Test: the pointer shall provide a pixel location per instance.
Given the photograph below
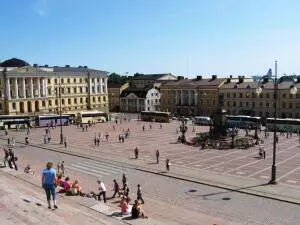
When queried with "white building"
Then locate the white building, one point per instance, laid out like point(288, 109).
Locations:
point(137, 100)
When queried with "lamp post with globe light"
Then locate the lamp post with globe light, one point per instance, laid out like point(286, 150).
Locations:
point(259, 90)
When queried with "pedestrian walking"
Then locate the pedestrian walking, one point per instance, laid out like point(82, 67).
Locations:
point(28, 131)
point(143, 127)
point(168, 164)
point(26, 140)
point(136, 153)
point(6, 156)
point(58, 168)
point(160, 125)
point(95, 140)
point(48, 183)
point(157, 156)
point(12, 159)
point(150, 126)
point(106, 136)
point(116, 189)
point(65, 141)
point(139, 193)
point(124, 180)
point(6, 132)
point(98, 141)
point(126, 190)
point(62, 167)
point(102, 190)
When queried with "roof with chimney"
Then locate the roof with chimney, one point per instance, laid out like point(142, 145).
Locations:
point(284, 82)
point(213, 82)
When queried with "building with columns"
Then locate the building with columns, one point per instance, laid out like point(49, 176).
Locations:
point(191, 97)
point(26, 89)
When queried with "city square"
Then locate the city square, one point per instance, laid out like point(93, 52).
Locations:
point(87, 163)
point(150, 112)
point(233, 161)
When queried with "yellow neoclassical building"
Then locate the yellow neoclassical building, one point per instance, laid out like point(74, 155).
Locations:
point(26, 89)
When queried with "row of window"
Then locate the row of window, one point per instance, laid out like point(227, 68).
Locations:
point(76, 90)
point(69, 100)
point(261, 104)
point(75, 108)
point(261, 95)
point(268, 114)
point(75, 80)
point(14, 104)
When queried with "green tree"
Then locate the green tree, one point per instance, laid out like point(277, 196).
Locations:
point(115, 78)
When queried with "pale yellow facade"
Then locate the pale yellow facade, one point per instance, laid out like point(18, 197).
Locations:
point(36, 90)
point(240, 97)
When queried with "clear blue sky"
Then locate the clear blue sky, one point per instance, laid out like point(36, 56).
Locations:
point(153, 36)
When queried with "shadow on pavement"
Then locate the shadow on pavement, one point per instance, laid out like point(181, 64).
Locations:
point(206, 196)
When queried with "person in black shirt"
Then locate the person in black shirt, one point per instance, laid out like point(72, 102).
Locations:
point(12, 160)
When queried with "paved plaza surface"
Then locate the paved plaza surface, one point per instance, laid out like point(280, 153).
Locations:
point(238, 162)
point(189, 201)
point(168, 200)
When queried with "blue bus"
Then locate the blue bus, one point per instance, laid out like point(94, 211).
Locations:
point(53, 120)
point(243, 122)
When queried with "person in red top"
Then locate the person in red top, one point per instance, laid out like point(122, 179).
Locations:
point(66, 185)
point(116, 189)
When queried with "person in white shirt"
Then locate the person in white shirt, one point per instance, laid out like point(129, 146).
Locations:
point(102, 190)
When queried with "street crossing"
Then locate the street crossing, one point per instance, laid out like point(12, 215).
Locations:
point(96, 168)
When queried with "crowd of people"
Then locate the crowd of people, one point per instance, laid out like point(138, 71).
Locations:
point(52, 180)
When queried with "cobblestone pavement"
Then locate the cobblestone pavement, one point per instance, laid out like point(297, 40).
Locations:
point(184, 200)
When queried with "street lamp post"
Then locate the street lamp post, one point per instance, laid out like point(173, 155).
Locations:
point(293, 90)
point(60, 111)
